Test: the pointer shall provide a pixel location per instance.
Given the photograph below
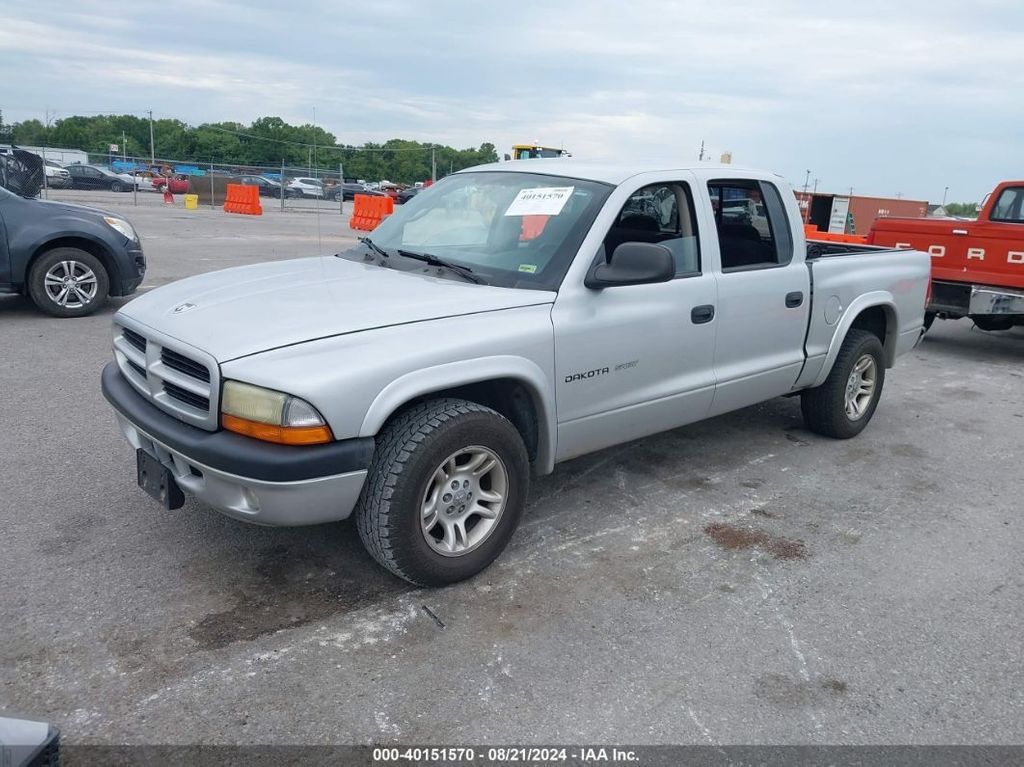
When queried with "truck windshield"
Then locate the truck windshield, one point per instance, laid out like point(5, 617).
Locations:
point(518, 230)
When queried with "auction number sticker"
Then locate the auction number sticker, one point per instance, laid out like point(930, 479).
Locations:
point(542, 201)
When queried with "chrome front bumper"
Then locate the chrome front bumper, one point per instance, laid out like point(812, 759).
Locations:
point(303, 502)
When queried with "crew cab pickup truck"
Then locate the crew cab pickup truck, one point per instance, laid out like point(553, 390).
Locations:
point(418, 378)
point(977, 266)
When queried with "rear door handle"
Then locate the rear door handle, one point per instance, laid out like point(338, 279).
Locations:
point(701, 314)
point(794, 299)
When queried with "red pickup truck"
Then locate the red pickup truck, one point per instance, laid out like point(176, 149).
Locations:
point(977, 266)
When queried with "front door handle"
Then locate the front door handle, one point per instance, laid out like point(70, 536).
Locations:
point(701, 314)
point(794, 299)
point(960, 231)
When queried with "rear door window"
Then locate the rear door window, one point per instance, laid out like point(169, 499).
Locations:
point(753, 230)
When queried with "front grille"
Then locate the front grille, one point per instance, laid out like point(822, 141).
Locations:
point(183, 364)
point(183, 395)
point(134, 339)
point(179, 379)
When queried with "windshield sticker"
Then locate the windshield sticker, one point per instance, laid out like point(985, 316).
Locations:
point(528, 268)
point(542, 201)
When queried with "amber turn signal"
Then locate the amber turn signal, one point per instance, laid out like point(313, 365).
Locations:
point(282, 435)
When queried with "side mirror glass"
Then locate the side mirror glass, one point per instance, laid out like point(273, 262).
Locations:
point(633, 263)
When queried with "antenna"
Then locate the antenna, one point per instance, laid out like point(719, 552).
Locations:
point(319, 242)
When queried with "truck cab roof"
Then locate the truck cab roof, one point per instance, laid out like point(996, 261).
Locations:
point(614, 172)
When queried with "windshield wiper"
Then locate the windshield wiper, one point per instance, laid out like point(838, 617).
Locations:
point(374, 247)
point(432, 260)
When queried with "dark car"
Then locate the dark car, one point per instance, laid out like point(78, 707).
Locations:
point(349, 190)
point(93, 177)
point(66, 258)
point(407, 194)
point(268, 187)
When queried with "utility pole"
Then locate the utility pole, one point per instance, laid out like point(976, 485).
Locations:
point(433, 164)
point(152, 144)
point(700, 157)
point(807, 180)
point(851, 191)
point(124, 147)
point(816, 185)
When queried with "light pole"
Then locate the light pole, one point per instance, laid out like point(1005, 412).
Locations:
point(944, 192)
point(807, 180)
point(152, 145)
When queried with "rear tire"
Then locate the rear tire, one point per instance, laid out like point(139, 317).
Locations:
point(842, 406)
point(993, 323)
point(409, 517)
point(115, 186)
point(68, 282)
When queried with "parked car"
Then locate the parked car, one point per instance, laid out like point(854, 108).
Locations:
point(407, 194)
point(977, 266)
point(178, 184)
point(94, 177)
point(306, 187)
point(268, 187)
point(66, 258)
point(350, 190)
point(143, 180)
point(437, 362)
point(57, 176)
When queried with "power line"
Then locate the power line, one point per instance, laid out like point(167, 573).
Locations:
point(421, 148)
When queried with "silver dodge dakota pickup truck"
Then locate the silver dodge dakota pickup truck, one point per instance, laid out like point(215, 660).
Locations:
point(509, 317)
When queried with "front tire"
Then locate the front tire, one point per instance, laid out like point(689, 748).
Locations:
point(445, 492)
point(842, 406)
point(68, 282)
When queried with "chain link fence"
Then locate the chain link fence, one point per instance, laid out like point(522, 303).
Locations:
point(286, 187)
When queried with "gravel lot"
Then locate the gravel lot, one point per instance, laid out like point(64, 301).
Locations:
point(736, 581)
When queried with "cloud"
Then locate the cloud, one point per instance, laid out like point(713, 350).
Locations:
point(883, 97)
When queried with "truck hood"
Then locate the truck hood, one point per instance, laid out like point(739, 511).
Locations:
point(250, 309)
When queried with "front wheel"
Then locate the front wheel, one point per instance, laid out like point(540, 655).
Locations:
point(115, 186)
point(842, 406)
point(68, 282)
point(445, 492)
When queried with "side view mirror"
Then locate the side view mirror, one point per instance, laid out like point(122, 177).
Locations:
point(633, 263)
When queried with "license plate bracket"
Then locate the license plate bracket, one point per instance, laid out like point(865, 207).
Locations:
point(157, 480)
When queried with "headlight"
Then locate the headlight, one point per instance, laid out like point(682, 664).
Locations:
point(120, 225)
point(271, 416)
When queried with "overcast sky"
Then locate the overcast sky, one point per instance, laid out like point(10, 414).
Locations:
point(884, 97)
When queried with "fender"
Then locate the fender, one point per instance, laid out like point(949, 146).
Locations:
point(419, 382)
point(881, 298)
point(37, 237)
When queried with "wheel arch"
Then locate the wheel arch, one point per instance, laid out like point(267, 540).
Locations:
point(90, 246)
point(874, 312)
point(514, 386)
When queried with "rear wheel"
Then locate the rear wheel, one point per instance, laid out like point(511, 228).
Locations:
point(993, 322)
point(68, 282)
point(115, 186)
point(445, 492)
point(842, 406)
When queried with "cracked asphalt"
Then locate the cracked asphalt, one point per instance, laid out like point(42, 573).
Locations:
point(736, 581)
